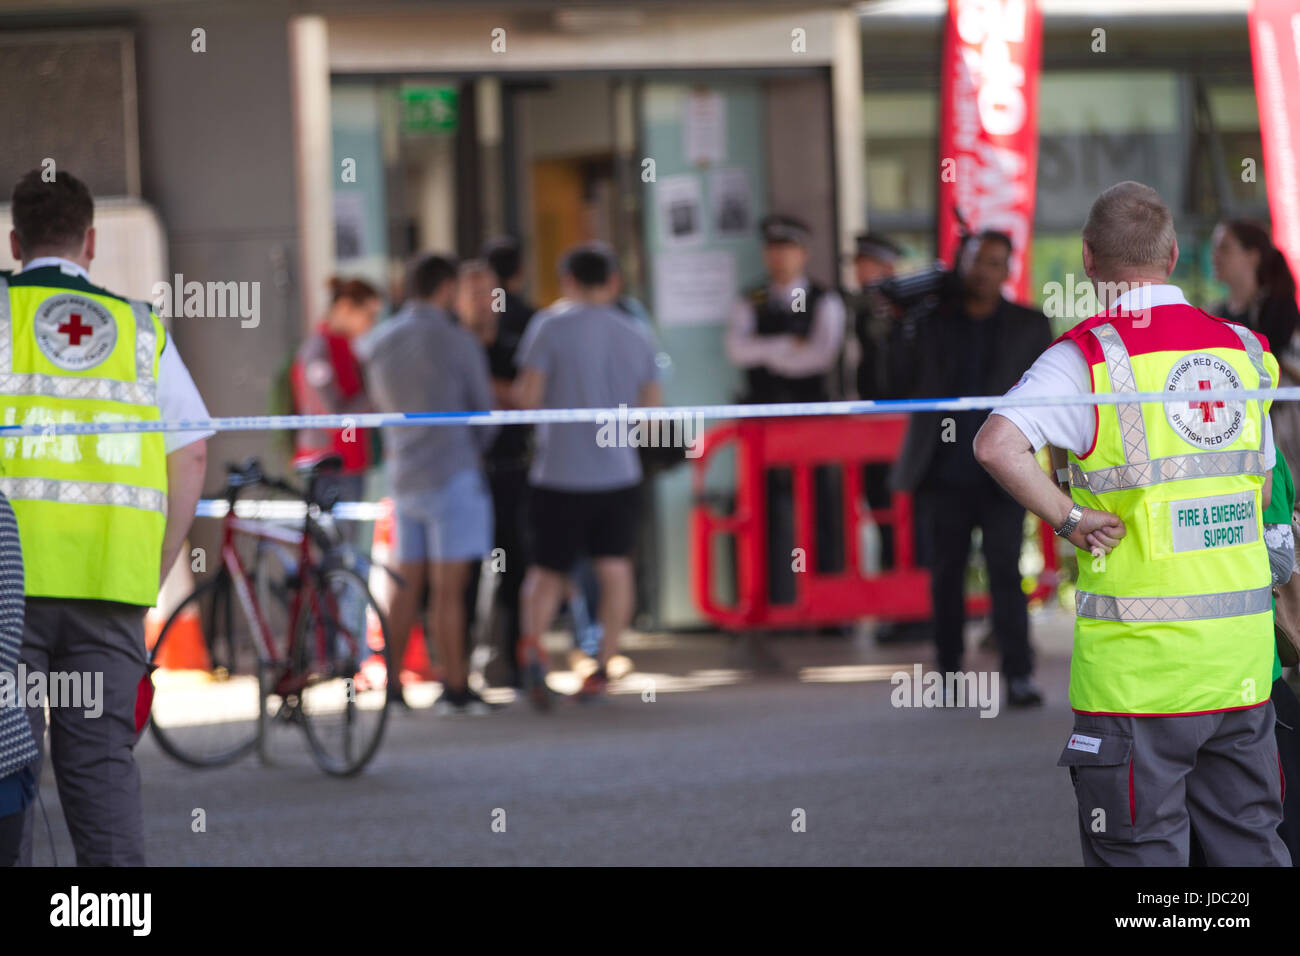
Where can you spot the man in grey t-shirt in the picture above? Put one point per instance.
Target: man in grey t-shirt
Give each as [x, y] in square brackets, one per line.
[422, 361]
[585, 353]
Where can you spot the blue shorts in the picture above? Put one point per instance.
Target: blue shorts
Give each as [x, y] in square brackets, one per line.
[451, 523]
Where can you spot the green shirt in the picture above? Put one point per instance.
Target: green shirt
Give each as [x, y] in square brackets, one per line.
[1279, 512]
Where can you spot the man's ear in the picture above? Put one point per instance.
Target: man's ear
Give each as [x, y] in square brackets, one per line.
[1088, 261]
[1173, 258]
[15, 249]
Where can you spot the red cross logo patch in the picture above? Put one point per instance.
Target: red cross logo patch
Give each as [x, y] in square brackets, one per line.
[74, 331]
[1205, 423]
[1207, 408]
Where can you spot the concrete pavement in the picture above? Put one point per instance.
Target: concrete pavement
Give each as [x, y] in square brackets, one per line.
[713, 770]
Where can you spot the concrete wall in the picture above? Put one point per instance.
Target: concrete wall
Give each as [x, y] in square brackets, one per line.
[797, 129]
[366, 40]
[217, 163]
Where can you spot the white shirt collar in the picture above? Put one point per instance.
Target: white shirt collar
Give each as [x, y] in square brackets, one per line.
[68, 267]
[1148, 296]
[785, 291]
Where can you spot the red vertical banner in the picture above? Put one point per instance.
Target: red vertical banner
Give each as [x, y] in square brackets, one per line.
[988, 126]
[1275, 51]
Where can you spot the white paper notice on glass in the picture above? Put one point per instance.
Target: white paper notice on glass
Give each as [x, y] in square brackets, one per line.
[350, 225]
[694, 288]
[681, 212]
[705, 129]
[729, 199]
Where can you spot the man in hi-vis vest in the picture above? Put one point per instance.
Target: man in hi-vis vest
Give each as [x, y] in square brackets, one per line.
[100, 517]
[1173, 636]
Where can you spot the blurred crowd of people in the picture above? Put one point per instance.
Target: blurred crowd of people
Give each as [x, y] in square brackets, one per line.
[549, 505]
[961, 337]
[931, 335]
[564, 512]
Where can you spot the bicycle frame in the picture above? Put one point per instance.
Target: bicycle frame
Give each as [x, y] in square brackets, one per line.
[286, 682]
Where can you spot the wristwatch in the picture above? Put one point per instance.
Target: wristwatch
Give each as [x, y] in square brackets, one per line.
[1071, 522]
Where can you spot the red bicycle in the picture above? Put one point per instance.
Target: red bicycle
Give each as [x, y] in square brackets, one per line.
[289, 634]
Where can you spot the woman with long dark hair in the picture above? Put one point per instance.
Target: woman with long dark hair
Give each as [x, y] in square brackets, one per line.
[327, 380]
[1261, 296]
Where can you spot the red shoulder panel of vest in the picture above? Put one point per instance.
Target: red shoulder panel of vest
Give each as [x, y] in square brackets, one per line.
[1162, 328]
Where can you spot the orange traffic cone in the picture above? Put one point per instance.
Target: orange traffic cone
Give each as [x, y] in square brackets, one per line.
[415, 660]
[185, 648]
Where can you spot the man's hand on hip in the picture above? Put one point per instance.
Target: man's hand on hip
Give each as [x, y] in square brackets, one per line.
[1007, 455]
[1098, 532]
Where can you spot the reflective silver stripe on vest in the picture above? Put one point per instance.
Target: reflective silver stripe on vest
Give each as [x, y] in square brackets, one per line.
[1255, 352]
[1120, 370]
[59, 386]
[1213, 464]
[145, 341]
[143, 391]
[84, 493]
[1183, 607]
[6, 330]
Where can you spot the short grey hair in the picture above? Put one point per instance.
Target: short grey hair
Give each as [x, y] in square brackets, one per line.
[1129, 225]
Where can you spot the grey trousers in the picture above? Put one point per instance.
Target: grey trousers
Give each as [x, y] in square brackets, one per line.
[1143, 782]
[93, 756]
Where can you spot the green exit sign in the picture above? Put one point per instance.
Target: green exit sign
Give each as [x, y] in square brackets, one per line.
[429, 110]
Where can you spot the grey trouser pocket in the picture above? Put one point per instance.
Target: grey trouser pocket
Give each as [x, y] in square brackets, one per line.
[1103, 784]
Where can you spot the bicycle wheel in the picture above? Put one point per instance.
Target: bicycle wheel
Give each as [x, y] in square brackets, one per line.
[342, 651]
[209, 686]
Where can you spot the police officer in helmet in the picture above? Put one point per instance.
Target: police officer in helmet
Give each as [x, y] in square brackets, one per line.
[786, 336]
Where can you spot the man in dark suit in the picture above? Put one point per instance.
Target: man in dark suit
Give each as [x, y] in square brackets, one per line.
[973, 343]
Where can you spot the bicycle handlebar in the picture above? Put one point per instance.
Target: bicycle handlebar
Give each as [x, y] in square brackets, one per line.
[239, 477]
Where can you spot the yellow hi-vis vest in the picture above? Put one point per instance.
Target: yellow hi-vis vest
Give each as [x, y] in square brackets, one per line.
[91, 509]
[1177, 619]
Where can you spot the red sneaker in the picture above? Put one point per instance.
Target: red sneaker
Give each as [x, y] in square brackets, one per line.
[596, 685]
[532, 671]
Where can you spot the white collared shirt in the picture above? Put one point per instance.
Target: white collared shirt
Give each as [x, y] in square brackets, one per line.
[66, 266]
[1148, 295]
[1062, 369]
[178, 397]
[786, 354]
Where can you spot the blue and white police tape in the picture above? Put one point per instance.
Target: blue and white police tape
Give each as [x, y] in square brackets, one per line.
[278, 509]
[635, 413]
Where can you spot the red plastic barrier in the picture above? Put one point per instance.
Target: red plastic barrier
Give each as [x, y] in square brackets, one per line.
[899, 593]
